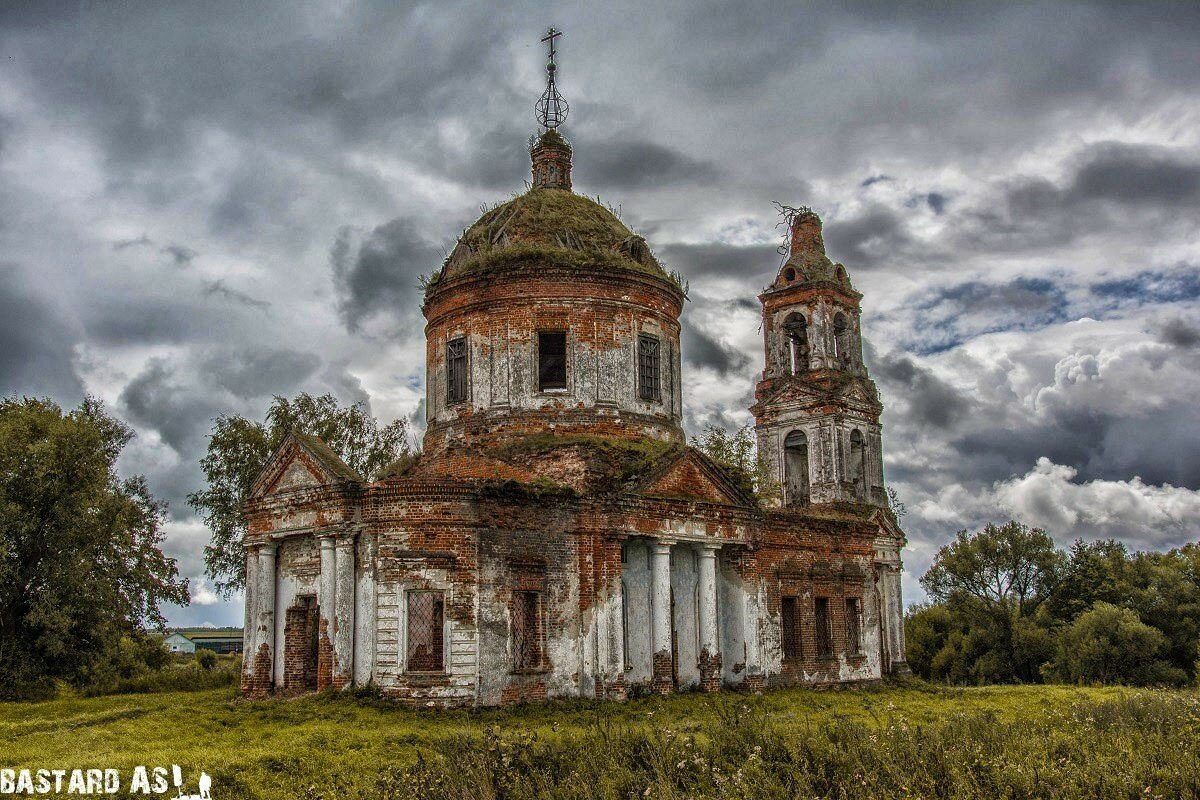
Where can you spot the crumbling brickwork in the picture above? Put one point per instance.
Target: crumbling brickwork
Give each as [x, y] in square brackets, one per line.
[556, 537]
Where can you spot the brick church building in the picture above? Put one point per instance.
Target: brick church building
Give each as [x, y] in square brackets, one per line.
[557, 537]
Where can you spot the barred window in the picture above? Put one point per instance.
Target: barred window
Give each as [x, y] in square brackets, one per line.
[426, 650]
[853, 625]
[526, 631]
[824, 628]
[456, 370]
[552, 360]
[791, 628]
[649, 380]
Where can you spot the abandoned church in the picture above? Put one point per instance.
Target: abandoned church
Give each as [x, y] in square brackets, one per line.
[556, 536]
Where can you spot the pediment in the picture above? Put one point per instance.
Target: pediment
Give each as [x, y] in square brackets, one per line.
[856, 393]
[693, 476]
[299, 464]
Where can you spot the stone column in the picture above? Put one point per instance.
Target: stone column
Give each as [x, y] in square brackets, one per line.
[710, 655]
[896, 623]
[250, 629]
[325, 600]
[264, 636]
[663, 681]
[616, 688]
[343, 613]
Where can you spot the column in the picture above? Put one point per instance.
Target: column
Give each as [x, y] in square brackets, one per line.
[663, 681]
[896, 623]
[343, 613]
[250, 630]
[264, 637]
[710, 656]
[325, 600]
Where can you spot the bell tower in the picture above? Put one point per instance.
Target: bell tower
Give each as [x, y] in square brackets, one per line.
[816, 411]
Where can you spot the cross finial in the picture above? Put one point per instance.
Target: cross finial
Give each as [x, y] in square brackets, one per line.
[551, 109]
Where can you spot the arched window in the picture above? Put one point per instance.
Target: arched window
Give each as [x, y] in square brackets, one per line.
[841, 339]
[795, 465]
[796, 331]
[857, 468]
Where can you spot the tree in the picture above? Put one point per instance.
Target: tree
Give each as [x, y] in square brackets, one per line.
[238, 450]
[1094, 572]
[737, 452]
[81, 567]
[1010, 565]
[1108, 644]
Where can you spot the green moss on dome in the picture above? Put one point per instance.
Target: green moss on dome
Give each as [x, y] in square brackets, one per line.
[545, 226]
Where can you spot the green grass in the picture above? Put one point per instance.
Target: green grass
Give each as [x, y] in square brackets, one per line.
[911, 741]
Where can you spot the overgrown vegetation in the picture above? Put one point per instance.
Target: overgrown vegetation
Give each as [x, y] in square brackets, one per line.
[615, 461]
[81, 570]
[1007, 605]
[238, 449]
[911, 741]
[737, 453]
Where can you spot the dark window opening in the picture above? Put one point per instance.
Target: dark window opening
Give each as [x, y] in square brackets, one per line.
[841, 339]
[426, 648]
[526, 631]
[796, 330]
[857, 468]
[456, 370]
[649, 369]
[824, 628]
[795, 452]
[552, 360]
[853, 626]
[791, 628]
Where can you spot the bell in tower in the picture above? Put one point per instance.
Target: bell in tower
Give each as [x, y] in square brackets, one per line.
[816, 411]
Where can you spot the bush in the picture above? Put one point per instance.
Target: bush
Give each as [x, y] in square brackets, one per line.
[1108, 644]
[206, 659]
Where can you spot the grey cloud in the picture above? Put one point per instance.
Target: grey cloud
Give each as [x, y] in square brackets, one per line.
[1180, 333]
[619, 161]
[755, 264]
[125, 244]
[927, 400]
[383, 273]
[36, 344]
[701, 350]
[251, 373]
[219, 288]
[868, 240]
[182, 256]
[158, 400]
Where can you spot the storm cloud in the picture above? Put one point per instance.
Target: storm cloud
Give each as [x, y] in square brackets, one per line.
[204, 205]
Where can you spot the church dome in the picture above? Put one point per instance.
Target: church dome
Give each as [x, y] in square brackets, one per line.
[549, 226]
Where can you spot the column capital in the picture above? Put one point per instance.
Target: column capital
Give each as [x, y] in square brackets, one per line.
[709, 549]
[267, 547]
[345, 539]
[326, 539]
[662, 546]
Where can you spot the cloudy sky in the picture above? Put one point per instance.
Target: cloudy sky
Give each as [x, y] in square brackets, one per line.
[205, 204]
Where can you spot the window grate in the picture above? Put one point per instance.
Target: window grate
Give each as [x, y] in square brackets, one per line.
[791, 628]
[426, 651]
[526, 631]
[824, 628]
[456, 370]
[853, 625]
[649, 371]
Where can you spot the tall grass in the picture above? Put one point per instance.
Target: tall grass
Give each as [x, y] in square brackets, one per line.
[1141, 746]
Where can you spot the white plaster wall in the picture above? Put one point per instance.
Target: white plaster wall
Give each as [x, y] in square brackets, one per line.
[684, 585]
[364, 612]
[635, 577]
[731, 604]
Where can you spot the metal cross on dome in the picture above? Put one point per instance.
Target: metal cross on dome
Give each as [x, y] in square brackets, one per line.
[551, 109]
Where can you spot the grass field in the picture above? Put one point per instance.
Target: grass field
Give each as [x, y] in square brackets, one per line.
[910, 741]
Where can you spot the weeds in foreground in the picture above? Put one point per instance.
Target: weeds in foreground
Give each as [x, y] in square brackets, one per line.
[1141, 746]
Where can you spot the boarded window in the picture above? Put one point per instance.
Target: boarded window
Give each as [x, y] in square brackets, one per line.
[552, 360]
[791, 628]
[649, 368]
[426, 651]
[456, 370]
[824, 628]
[526, 631]
[853, 625]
